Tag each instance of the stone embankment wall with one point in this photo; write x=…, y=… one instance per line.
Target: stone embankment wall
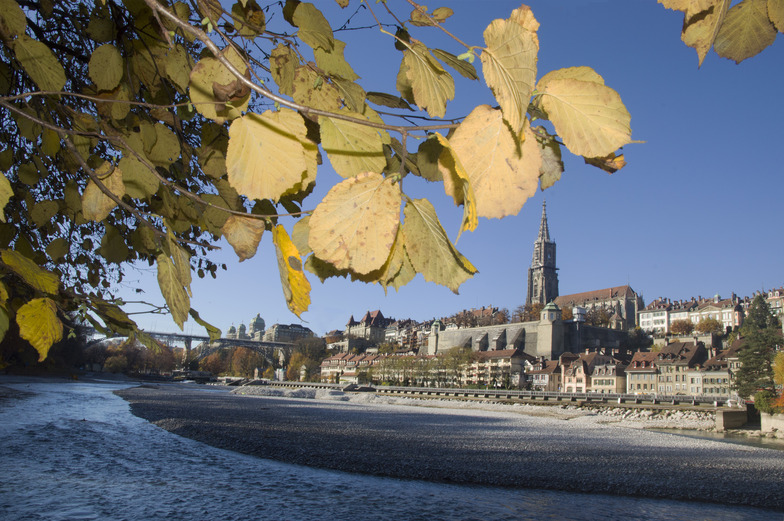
x=772, y=423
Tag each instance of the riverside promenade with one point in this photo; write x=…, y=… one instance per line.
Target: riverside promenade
x=469, y=446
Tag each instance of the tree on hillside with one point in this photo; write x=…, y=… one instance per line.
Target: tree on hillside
x=682, y=327
x=147, y=130
x=761, y=338
x=598, y=317
x=709, y=326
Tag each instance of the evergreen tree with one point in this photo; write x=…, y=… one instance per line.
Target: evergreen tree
x=760, y=332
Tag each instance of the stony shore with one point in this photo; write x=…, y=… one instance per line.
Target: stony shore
x=552, y=448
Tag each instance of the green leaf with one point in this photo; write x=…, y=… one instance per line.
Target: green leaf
x=39, y=325
x=113, y=247
x=354, y=226
x=509, y=66
x=431, y=252
x=31, y=272
x=244, y=235
x=269, y=154
x=166, y=149
x=57, y=249
x=40, y=63
x=430, y=84
x=12, y=19
x=6, y=192
x=212, y=331
x=296, y=287
x=314, y=29
x=172, y=290
x=353, y=148
x=589, y=116
x=106, y=67
x=4, y=323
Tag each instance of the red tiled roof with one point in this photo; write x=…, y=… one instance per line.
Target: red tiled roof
x=599, y=294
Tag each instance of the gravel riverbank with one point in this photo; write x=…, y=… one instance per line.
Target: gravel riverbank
x=549, y=447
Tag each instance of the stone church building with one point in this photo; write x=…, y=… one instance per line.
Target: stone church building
x=550, y=336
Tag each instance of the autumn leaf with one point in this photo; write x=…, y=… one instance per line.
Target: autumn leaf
x=31, y=272
x=501, y=180
x=40, y=63
x=106, y=67
x=296, y=287
x=589, y=116
x=354, y=226
x=244, y=235
x=457, y=184
x=6, y=192
x=431, y=86
x=701, y=23
x=212, y=331
x=429, y=249
x=509, y=66
x=353, y=148
x=210, y=72
x=552, y=165
x=397, y=271
x=745, y=32
x=314, y=29
x=269, y=154
x=609, y=164
x=39, y=325
x=173, y=290
x=96, y=205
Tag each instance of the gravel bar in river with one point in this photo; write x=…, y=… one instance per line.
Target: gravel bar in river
x=468, y=446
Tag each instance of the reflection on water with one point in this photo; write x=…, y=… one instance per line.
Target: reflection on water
x=729, y=437
x=73, y=451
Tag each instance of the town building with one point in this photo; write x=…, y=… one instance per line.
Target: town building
x=576, y=376
x=621, y=303
x=503, y=368
x=288, y=333
x=673, y=363
x=659, y=315
x=372, y=327
x=641, y=373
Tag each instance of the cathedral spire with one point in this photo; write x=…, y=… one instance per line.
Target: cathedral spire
x=544, y=231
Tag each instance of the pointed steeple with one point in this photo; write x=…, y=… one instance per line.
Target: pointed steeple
x=544, y=231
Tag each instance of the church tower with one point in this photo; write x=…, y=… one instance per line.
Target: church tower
x=542, y=275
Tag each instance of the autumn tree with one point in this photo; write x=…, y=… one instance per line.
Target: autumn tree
x=598, y=317
x=682, y=327
x=709, y=326
x=147, y=130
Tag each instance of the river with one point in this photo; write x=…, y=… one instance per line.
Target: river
x=73, y=451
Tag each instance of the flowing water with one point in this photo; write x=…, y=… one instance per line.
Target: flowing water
x=73, y=451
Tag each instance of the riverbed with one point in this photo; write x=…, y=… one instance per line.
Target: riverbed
x=74, y=451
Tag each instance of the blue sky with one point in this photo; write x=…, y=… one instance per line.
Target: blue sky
x=697, y=210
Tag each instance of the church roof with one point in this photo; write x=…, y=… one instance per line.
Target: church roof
x=597, y=295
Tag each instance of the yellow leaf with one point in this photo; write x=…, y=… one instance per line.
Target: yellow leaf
x=166, y=148
x=745, y=32
x=31, y=272
x=609, y=164
x=353, y=148
x=213, y=331
x=552, y=166
x=96, y=205
x=457, y=184
x=6, y=192
x=39, y=325
x=431, y=252
x=314, y=29
x=334, y=63
x=299, y=235
x=139, y=181
x=172, y=290
x=308, y=88
x=589, y=116
x=244, y=235
x=354, y=226
x=209, y=73
x=701, y=23
x=269, y=154
x=501, y=180
x=776, y=14
x=397, y=271
x=509, y=64
x=296, y=287
x=430, y=84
